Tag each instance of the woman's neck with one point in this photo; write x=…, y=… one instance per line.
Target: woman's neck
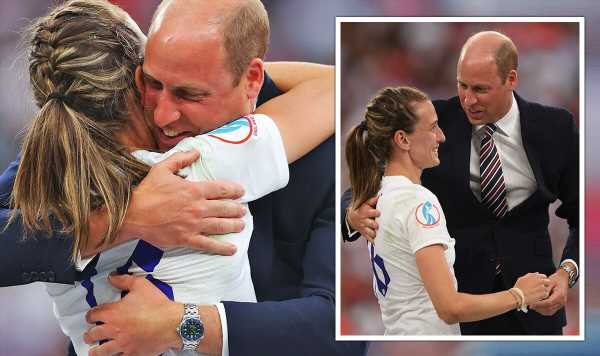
x=403, y=167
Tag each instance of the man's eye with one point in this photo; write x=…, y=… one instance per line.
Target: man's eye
x=193, y=98
x=154, y=84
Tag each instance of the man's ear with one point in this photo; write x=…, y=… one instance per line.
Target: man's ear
x=513, y=79
x=139, y=81
x=254, y=77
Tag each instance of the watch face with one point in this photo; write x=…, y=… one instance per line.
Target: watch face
x=192, y=330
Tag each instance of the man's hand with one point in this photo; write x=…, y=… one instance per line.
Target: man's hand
x=169, y=211
x=144, y=322
x=558, y=295
x=363, y=218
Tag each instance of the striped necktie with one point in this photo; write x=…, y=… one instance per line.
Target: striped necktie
x=493, y=190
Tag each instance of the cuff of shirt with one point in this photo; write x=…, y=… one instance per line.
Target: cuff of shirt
x=223, y=316
x=353, y=235
x=81, y=263
x=574, y=264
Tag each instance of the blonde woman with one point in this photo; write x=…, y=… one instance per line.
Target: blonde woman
x=413, y=253
x=82, y=153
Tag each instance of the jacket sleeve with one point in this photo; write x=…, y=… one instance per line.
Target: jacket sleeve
x=568, y=191
x=347, y=234
x=37, y=258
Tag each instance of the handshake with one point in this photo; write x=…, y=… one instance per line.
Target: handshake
x=541, y=293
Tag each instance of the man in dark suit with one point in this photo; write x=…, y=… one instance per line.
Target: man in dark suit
x=292, y=249
x=504, y=161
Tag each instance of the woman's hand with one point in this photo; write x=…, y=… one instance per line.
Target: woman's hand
x=535, y=287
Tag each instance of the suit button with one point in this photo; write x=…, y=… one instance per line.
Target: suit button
x=26, y=277
x=35, y=276
x=43, y=277
x=51, y=276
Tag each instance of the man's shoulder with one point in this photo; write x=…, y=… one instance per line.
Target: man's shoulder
x=547, y=112
x=445, y=104
x=7, y=179
x=447, y=107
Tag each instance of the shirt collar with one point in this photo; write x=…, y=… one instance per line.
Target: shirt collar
x=508, y=124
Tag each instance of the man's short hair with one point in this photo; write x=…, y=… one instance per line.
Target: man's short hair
x=507, y=59
x=245, y=36
x=244, y=30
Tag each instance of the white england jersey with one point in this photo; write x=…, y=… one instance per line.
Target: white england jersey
x=249, y=151
x=411, y=219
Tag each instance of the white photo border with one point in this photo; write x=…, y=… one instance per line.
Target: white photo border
x=581, y=283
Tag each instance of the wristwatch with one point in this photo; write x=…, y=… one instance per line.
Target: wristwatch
x=191, y=328
x=571, y=272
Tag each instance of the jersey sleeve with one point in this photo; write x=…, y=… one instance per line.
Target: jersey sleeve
x=425, y=222
x=248, y=151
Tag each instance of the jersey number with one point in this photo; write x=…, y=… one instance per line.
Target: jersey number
x=382, y=277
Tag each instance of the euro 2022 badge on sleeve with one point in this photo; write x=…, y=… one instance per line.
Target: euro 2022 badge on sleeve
x=427, y=214
x=237, y=131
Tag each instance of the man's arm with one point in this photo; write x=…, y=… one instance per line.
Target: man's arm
x=169, y=211
x=295, y=281
x=300, y=326
x=359, y=222
x=52, y=262
x=568, y=193
x=165, y=210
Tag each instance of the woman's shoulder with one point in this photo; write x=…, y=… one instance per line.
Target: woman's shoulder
x=400, y=190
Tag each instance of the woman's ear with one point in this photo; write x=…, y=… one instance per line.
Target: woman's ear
x=401, y=140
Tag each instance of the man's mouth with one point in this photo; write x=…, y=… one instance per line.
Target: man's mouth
x=473, y=112
x=167, y=137
x=172, y=132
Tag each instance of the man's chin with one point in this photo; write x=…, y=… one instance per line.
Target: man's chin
x=476, y=119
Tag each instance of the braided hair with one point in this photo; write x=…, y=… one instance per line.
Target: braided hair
x=368, y=146
x=82, y=60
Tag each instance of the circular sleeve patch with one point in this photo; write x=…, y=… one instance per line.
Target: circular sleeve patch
x=427, y=214
x=235, y=132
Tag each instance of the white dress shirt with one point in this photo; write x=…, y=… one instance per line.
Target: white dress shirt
x=518, y=176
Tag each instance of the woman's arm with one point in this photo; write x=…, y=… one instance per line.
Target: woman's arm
x=287, y=75
x=305, y=113
x=452, y=306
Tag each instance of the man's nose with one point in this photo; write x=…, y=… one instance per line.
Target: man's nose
x=470, y=99
x=166, y=111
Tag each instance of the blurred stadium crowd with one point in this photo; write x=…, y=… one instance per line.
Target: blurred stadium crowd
x=305, y=30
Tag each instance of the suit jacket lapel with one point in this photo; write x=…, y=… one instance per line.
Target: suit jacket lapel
x=462, y=137
x=530, y=128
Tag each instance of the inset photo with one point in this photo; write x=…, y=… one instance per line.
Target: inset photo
x=461, y=167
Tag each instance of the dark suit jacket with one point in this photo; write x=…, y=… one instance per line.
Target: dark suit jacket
x=520, y=241
x=291, y=254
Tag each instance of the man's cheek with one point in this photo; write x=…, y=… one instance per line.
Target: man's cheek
x=149, y=95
